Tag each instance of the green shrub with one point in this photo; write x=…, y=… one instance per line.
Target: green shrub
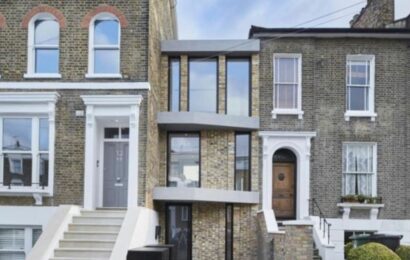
x=403, y=252
x=372, y=251
x=348, y=247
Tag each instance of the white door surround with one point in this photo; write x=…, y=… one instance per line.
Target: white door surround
x=299, y=143
x=101, y=108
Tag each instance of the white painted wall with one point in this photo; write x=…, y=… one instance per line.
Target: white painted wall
x=26, y=215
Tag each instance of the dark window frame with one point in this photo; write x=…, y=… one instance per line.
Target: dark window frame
x=189, y=205
x=250, y=160
x=227, y=206
x=169, y=134
x=170, y=59
x=190, y=58
x=250, y=82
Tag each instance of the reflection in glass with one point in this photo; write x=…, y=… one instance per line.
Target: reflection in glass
x=106, y=32
x=46, y=50
x=17, y=169
x=183, y=160
x=229, y=232
x=43, y=170
x=111, y=133
x=107, y=61
x=17, y=134
x=179, y=230
x=242, y=162
x=358, y=84
x=174, y=82
x=286, y=81
x=202, y=85
x=238, y=81
x=125, y=133
x=47, y=61
x=44, y=134
x=47, y=32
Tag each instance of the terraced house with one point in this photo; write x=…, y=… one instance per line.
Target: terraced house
x=117, y=135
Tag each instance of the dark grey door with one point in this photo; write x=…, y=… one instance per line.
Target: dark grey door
x=115, y=191
x=179, y=230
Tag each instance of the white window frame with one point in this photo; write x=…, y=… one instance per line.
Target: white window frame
x=371, y=111
x=374, y=177
x=30, y=105
x=92, y=47
x=28, y=239
x=280, y=111
x=31, y=51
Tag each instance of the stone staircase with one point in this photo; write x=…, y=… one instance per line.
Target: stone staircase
x=91, y=235
x=316, y=255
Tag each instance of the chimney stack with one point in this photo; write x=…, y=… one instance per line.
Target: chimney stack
x=376, y=14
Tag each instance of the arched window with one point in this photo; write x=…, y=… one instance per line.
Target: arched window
x=43, y=46
x=104, y=46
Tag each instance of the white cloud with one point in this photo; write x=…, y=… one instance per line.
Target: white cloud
x=231, y=19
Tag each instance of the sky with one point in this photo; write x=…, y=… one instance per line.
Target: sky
x=231, y=19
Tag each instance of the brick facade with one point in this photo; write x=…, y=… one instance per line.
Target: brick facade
x=376, y=14
x=295, y=243
x=324, y=104
x=44, y=9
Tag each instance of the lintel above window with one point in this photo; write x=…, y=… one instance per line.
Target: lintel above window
x=287, y=84
x=360, y=86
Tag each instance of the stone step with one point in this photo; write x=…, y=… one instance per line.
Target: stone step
x=98, y=220
x=88, y=235
x=103, y=213
x=89, y=253
x=72, y=243
x=94, y=227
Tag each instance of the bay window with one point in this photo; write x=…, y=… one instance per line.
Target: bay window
x=24, y=148
x=360, y=84
x=287, y=81
x=359, y=169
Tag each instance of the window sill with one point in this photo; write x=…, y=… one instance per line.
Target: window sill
x=103, y=76
x=349, y=114
x=5, y=190
x=373, y=208
x=42, y=76
x=297, y=112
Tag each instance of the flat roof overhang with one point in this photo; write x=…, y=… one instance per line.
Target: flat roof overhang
x=179, y=194
x=201, y=121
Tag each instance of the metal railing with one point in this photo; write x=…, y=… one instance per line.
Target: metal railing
x=323, y=222
x=9, y=185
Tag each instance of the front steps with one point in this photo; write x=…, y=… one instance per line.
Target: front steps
x=91, y=235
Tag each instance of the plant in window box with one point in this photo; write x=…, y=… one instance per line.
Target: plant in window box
x=349, y=199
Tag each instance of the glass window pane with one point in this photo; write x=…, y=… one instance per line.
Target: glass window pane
x=238, y=81
x=12, y=239
x=358, y=73
x=44, y=131
x=179, y=231
x=36, y=235
x=17, y=134
x=47, y=61
x=107, y=61
x=47, y=32
x=12, y=256
x=287, y=70
x=242, y=162
x=183, y=160
x=17, y=169
x=174, y=85
x=202, y=85
x=106, y=32
x=43, y=170
x=125, y=133
x=111, y=133
x=286, y=96
x=358, y=98
x=229, y=232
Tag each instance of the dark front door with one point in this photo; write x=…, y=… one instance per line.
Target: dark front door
x=283, y=192
x=115, y=190
x=179, y=230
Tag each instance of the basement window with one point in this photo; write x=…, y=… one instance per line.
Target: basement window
x=16, y=242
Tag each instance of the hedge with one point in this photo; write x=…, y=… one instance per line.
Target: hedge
x=372, y=251
x=403, y=252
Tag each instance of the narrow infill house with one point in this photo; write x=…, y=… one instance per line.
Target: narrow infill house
x=334, y=128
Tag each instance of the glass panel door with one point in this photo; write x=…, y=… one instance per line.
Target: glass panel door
x=179, y=230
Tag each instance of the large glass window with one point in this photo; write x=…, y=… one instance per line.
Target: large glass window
x=238, y=87
x=287, y=81
x=183, y=160
x=359, y=168
x=25, y=145
x=105, y=45
x=242, y=161
x=179, y=230
x=203, y=82
x=15, y=243
x=174, y=84
x=359, y=83
x=229, y=232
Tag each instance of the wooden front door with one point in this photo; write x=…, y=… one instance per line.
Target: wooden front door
x=283, y=190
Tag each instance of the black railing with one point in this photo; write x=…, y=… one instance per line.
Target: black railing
x=33, y=183
x=323, y=222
